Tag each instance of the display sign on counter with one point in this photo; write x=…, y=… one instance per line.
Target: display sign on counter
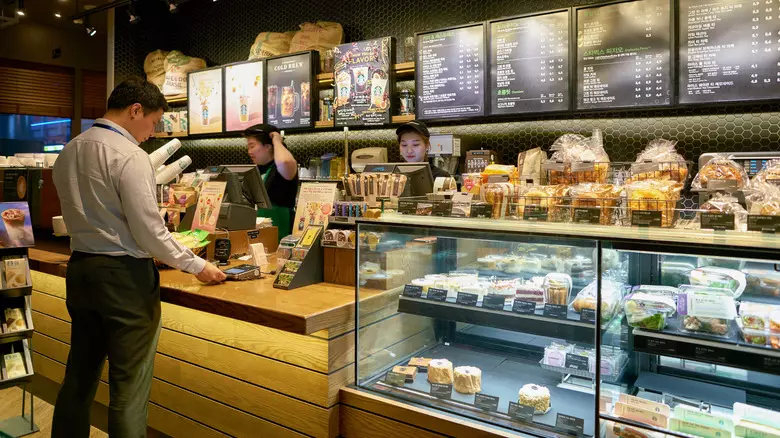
x=493, y=302
x=624, y=55
x=576, y=362
x=557, y=311
x=729, y=50
x=646, y=218
x=395, y=379
x=763, y=223
x=289, y=81
x=521, y=412
x=243, y=92
x=587, y=215
x=435, y=294
x=441, y=390
x=486, y=402
x=204, y=104
x=412, y=291
x=529, y=64
x=588, y=315
x=450, y=75
x=716, y=221
x=572, y=424
x=523, y=307
x=467, y=299
x=363, y=82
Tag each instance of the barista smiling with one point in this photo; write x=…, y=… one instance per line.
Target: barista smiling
x=414, y=141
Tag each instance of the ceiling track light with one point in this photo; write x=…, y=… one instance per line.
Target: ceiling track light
x=91, y=31
x=57, y=15
x=172, y=7
x=132, y=14
x=20, y=11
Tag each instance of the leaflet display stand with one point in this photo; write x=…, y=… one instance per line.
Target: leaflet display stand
x=305, y=264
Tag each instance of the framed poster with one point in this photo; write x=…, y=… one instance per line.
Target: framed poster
x=204, y=91
x=450, y=72
x=289, y=97
x=16, y=225
x=243, y=93
x=363, y=82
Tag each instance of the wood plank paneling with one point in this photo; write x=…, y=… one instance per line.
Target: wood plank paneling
x=50, y=305
x=53, y=327
x=48, y=283
x=37, y=92
x=360, y=424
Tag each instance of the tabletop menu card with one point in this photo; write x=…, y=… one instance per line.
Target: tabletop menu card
x=729, y=50
x=529, y=64
x=624, y=55
x=450, y=76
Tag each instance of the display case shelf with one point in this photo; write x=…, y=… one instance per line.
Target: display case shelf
x=16, y=292
x=9, y=383
x=6, y=338
x=177, y=99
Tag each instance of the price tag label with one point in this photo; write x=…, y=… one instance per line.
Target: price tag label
x=557, y=311
x=722, y=184
x=766, y=224
x=395, y=379
x=437, y=294
x=407, y=207
x=442, y=209
x=412, y=291
x=535, y=213
x=583, y=166
x=710, y=354
x=554, y=165
x=482, y=210
x=440, y=390
x=588, y=315
x=572, y=424
x=341, y=218
x=524, y=307
x=467, y=299
x=646, y=218
x=576, y=362
x=494, y=302
x=661, y=345
x=521, y=412
x=498, y=179
x=486, y=402
x=587, y=215
x=716, y=221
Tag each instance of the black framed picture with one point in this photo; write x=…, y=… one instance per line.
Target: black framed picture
x=290, y=99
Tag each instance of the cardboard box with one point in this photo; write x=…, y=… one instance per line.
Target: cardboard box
x=240, y=240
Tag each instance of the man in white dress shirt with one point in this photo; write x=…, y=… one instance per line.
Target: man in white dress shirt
x=106, y=186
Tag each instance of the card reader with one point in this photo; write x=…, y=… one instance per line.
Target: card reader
x=243, y=272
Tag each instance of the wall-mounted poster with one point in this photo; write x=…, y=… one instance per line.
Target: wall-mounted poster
x=243, y=95
x=204, y=91
x=289, y=82
x=363, y=81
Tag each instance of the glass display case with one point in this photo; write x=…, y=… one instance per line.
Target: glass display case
x=561, y=330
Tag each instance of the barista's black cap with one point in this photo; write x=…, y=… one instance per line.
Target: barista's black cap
x=413, y=126
x=261, y=132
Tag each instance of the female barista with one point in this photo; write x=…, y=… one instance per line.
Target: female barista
x=280, y=173
x=414, y=141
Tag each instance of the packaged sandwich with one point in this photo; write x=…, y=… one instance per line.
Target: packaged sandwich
x=577, y=159
x=14, y=365
x=660, y=161
x=15, y=272
x=14, y=320
x=500, y=195
x=611, y=294
x=655, y=195
x=723, y=279
x=705, y=310
x=605, y=197
x=648, y=311
x=721, y=172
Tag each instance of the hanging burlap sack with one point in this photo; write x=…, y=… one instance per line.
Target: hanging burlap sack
x=269, y=44
x=177, y=65
x=320, y=36
x=154, y=67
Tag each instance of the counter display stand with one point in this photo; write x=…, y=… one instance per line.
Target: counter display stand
x=17, y=341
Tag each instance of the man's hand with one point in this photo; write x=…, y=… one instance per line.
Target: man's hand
x=211, y=274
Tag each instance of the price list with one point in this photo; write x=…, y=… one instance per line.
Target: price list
x=729, y=50
x=624, y=55
x=530, y=64
x=451, y=73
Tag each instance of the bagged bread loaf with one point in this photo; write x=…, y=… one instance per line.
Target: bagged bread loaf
x=577, y=159
x=154, y=67
x=320, y=36
x=721, y=172
x=603, y=196
x=553, y=198
x=727, y=204
x=177, y=65
x=268, y=44
x=655, y=195
x=768, y=174
x=529, y=166
x=660, y=160
x=500, y=195
x=763, y=199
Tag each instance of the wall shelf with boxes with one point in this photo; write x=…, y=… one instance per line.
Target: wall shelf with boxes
x=499, y=325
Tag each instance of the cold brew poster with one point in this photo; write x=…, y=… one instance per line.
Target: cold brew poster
x=363, y=82
x=288, y=91
x=624, y=55
x=729, y=50
x=205, y=101
x=451, y=73
x=243, y=95
x=529, y=69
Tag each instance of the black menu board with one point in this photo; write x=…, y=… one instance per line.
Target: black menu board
x=450, y=73
x=289, y=81
x=624, y=55
x=529, y=64
x=363, y=82
x=729, y=50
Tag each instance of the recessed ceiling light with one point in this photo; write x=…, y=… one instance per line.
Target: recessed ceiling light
x=20, y=11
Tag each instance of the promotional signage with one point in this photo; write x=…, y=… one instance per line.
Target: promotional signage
x=243, y=92
x=529, y=64
x=729, y=50
x=624, y=55
x=204, y=91
x=363, y=82
x=289, y=81
x=451, y=73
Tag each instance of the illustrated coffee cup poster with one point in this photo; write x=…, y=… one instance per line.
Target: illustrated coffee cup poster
x=205, y=101
x=315, y=204
x=16, y=231
x=209, y=203
x=289, y=83
x=243, y=95
x=363, y=82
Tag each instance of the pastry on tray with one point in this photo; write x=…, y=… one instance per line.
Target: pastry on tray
x=536, y=396
x=468, y=380
x=440, y=371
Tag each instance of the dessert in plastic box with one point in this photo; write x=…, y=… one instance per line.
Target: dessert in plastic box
x=648, y=311
x=555, y=354
x=556, y=288
x=719, y=278
x=531, y=290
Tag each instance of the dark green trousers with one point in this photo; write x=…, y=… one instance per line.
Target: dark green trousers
x=114, y=303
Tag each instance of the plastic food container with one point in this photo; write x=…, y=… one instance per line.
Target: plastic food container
x=719, y=278
x=755, y=315
x=705, y=310
x=755, y=337
x=648, y=311
x=556, y=288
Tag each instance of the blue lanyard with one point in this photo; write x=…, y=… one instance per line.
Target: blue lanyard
x=110, y=128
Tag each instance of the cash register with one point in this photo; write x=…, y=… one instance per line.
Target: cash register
x=244, y=193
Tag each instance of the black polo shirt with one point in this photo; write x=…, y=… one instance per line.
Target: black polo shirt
x=281, y=192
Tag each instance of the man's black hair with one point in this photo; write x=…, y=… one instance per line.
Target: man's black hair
x=137, y=90
x=261, y=132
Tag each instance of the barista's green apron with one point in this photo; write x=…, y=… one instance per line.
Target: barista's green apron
x=281, y=216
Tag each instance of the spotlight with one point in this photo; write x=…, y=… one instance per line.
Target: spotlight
x=172, y=8
x=91, y=31
x=133, y=15
x=58, y=15
x=20, y=11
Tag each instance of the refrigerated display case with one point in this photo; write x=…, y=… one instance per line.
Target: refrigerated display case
x=496, y=322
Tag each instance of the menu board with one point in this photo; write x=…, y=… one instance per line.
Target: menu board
x=450, y=75
x=289, y=94
x=204, y=88
x=624, y=55
x=363, y=82
x=529, y=64
x=243, y=95
x=729, y=50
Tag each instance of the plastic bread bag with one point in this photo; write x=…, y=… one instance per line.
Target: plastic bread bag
x=648, y=311
x=660, y=160
x=611, y=294
x=722, y=279
x=549, y=197
x=529, y=166
x=727, y=204
x=606, y=197
x=578, y=159
x=705, y=310
x=653, y=195
x=721, y=172
x=770, y=173
x=763, y=199
x=659, y=291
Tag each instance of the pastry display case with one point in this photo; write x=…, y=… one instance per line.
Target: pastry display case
x=559, y=329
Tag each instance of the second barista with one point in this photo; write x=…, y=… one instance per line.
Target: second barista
x=414, y=142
